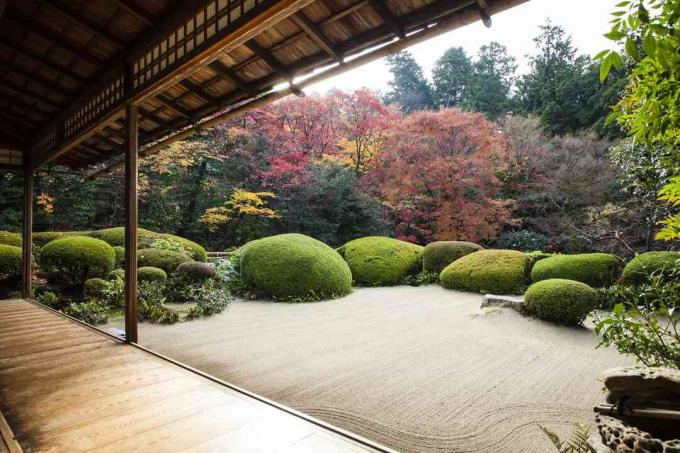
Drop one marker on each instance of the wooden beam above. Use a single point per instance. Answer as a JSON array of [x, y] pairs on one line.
[[229, 74], [82, 22], [199, 91], [484, 13], [29, 24], [270, 59], [143, 16], [26, 91], [26, 246], [131, 150], [380, 7], [155, 118], [172, 105], [40, 59], [36, 78], [315, 34]]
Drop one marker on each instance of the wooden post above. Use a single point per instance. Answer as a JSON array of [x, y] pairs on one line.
[[26, 262], [131, 151]]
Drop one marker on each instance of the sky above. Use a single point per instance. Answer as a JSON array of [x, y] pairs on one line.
[[585, 20]]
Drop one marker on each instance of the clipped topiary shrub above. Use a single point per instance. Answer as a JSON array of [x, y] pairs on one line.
[[196, 271], [72, 260], [120, 255], [561, 301], [117, 273], [638, 270], [595, 269], [10, 261], [488, 271], [381, 261], [44, 237], [151, 274], [94, 287], [167, 260], [438, 255], [294, 267], [194, 250], [13, 239], [116, 236]]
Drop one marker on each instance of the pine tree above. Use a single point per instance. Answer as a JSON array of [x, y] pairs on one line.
[[408, 87], [450, 77]]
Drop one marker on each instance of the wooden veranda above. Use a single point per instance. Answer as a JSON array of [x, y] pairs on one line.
[[96, 84]]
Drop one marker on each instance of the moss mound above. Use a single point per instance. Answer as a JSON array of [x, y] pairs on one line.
[[381, 261], [561, 301], [167, 260], [595, 269], [10, 260], [196, 271], [438, 255], [72, 260], [488, 271], [120, 255], [638, 270], [294, 267], [94, 287], [116, 236], [151, 274], [45, 237], [13, 239]]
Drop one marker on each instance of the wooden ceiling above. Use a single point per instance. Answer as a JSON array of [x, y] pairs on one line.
[[67, 67]]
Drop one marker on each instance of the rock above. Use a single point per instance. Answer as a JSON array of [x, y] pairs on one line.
[[652, 387], [622, 438], [507, 301]]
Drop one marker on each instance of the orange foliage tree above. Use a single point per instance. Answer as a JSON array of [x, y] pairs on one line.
[[437, 171]]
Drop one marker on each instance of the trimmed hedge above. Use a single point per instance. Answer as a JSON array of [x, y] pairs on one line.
[[72, 260], [167, 260], [116, 236], [381, 261], [561, 301], [10, 260], [594, 269], [638, 270], [94, 287], [151, 274], [117, 273], [13, 239], [438, 255], [44, 237], [194, 250], [488, 271], [294, 267], [196, 271], [120, 255]]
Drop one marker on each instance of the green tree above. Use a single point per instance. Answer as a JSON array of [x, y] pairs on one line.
[[450, 77], [408, 87], [491, 81], [561, 88], [650, 33]]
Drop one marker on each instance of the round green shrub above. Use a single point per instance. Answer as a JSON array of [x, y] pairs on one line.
[[488, 271], [561, 301], [151, 274], [94, 287], [196, 271], [438, 255], [117, 273], [72, 260], [194, 250], [10, 260], [638, 270], [167, 260], [116, 236], [13, 239], [120, 255], [44, 237], [294, 267], [595, 269], [381, 261]]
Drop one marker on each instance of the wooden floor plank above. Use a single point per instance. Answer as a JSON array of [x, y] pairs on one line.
[[67, 388]]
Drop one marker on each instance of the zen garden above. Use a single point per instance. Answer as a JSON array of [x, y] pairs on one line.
[[448, 264]]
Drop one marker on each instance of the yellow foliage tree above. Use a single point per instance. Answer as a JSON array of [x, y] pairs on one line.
[[241, 204]]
